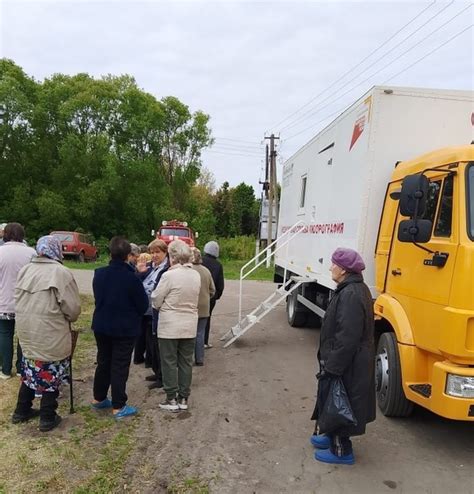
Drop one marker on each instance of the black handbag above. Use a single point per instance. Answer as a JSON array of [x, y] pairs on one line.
[[336, 411]]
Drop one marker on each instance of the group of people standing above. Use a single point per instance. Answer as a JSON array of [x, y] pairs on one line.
[[162, 303]]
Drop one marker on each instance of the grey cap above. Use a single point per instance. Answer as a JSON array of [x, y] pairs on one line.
[[135, 250], [2, 226], [212, 248]]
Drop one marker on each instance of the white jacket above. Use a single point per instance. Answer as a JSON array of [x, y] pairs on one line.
[[176, 297]]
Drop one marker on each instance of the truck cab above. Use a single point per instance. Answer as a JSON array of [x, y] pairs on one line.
[[176, 230], [424, 263]]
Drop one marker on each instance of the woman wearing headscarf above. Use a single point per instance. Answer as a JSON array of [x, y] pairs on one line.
[[346, 350], [47, 302]]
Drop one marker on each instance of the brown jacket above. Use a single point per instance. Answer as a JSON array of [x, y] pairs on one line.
[[208, 289], [47, 301]]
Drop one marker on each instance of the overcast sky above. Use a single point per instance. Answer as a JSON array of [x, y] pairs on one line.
[[249, 65]]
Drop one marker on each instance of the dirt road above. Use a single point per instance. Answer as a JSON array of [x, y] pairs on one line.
[[248, 426]]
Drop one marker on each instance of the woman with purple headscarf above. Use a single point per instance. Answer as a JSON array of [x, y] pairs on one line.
[[47, 301], [346, 350]]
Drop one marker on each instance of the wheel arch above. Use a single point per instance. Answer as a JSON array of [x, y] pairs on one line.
[[392, 317]]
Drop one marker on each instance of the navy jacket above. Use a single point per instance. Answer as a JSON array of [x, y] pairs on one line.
[[120, 300]]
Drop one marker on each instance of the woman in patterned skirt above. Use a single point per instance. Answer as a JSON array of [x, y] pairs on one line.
[[46, 301]]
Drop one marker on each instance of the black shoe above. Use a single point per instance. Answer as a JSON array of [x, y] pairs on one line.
[[148, 365], [155, 385], [18, 418], [199, 364], [151, 378], [49, 425]]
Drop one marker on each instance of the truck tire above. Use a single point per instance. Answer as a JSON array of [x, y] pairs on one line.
[[295, 312], [388, 379], [81, 257]]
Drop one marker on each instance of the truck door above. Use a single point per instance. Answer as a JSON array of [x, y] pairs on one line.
[[424, 290]]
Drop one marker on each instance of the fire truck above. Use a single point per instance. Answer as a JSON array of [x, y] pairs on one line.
[[176, 230]]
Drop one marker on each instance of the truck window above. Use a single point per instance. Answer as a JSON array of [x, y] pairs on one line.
[[470, 198], [432, 200], [304, 179], [445, 215]]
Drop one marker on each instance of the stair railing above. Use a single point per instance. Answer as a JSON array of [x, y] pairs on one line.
[[289, 235]]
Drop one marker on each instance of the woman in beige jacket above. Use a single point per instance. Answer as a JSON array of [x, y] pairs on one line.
[[176, 297], [46, 302]]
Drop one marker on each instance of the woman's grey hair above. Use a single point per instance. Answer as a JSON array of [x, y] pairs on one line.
[[179, 252], [197, 258], [135, 249]]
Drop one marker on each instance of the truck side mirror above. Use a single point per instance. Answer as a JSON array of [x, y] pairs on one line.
[[196, 235], [413, 195], [418, 231], [152, 233]]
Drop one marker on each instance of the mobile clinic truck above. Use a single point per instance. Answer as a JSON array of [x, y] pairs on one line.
[[360, 184]]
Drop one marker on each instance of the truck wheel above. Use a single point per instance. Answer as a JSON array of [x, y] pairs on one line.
[[81, 257], [295, 312], [388, 379]]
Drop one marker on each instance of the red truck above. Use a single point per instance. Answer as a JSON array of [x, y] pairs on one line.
[[176, 230]]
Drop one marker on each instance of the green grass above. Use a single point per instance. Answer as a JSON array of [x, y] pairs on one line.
[[231, 268]]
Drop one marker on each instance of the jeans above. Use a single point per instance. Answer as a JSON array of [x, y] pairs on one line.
[[113, 363], [48, 403], [208, 324], [201, 331], [177, 365], [340, 445], [7, 330]]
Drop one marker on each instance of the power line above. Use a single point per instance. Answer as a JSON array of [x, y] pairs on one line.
[[238, 146], [405, 69], [358, 64], [312, 111], [237, 150], [233, 154], [238, 140]]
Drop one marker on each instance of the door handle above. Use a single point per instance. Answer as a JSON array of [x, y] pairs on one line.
[[396, 272]]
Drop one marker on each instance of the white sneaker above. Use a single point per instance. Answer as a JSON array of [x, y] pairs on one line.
[[208, 346], [170, 405], [183, 403], [4, 376]]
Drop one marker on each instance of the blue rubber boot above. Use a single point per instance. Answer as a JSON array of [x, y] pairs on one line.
[[320, 441], [102, 404], [325, 456], [126, 411]]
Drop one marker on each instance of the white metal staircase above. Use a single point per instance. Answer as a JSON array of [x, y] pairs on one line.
[[288, 286]]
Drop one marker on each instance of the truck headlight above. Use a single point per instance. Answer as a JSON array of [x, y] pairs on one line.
[[461, 386]]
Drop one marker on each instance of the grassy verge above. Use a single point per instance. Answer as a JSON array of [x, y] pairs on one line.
[[86, 454], [231, 268]]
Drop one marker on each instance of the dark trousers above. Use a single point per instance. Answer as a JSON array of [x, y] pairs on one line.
[[177, 365], [340, 445], [143, 343], [208, 325], [7, 330], [113, 364], [48, 404], [155, 358]]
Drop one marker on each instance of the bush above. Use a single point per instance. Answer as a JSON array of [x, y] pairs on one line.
[[242, 248]]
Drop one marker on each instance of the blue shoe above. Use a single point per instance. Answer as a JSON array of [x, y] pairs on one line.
[[102, 404], [325, 456], [320, 441], [126, 411]]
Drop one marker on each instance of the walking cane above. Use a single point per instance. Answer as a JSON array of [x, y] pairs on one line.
[[74, 336]]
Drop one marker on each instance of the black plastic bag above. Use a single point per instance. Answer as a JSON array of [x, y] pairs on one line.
[[336, 411]]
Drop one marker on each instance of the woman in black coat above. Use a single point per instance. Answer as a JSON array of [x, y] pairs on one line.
[[347, 350]]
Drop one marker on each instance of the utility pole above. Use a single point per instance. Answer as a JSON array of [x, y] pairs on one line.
[[271, 193]]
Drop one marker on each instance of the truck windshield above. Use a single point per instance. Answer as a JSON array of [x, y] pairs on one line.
[[470, 195], [177, 232]]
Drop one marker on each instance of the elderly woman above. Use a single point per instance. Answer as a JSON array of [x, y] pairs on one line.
[[208, 289], [347, 350], [120, 302], [176, 297], [47, 301], [151, 276]]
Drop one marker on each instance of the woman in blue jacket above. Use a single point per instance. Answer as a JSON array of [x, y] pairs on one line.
[[120, 302]]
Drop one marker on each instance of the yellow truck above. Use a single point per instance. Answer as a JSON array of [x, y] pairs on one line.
[[357, 184]]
